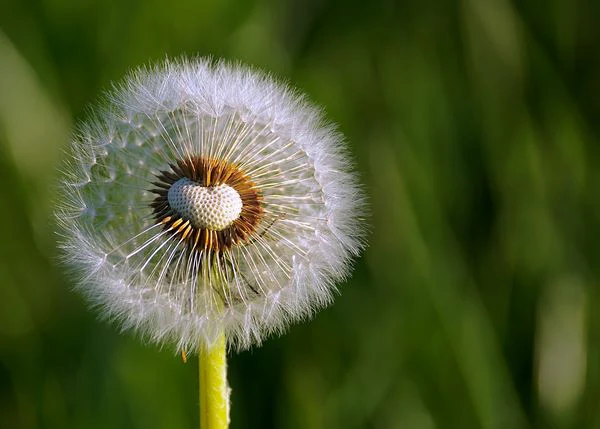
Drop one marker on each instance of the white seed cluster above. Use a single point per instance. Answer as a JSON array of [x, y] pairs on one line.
[[212, 207], [312, 207]]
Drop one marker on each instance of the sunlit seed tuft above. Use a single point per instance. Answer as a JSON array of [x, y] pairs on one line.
[[209, 199]]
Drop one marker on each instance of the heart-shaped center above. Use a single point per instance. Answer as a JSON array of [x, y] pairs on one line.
[[206, 207]]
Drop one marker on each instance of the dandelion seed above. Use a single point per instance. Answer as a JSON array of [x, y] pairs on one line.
[[207, 199]]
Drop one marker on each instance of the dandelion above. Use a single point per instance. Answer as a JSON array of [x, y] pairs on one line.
[[207, 204]]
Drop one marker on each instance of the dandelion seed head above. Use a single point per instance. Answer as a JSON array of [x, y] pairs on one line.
[[207, 198]]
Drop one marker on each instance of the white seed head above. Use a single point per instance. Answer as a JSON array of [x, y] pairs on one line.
[[205, 199], [209, 207]]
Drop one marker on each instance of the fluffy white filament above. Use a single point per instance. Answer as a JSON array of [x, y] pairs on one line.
[[141, 275]]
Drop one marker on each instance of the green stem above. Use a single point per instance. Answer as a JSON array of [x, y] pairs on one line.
[[214, 392]]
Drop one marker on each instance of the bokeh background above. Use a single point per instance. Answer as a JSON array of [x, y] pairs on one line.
[[475, 127]]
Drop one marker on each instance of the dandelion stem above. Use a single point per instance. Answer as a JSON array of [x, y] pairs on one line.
[[214, 392]]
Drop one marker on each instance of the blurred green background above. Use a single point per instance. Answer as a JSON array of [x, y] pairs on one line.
[[475, 127]]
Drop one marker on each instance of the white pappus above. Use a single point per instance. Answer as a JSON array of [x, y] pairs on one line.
[[206, 198]]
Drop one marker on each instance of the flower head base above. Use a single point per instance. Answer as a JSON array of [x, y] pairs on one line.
[[208, 199], [207, 207]]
